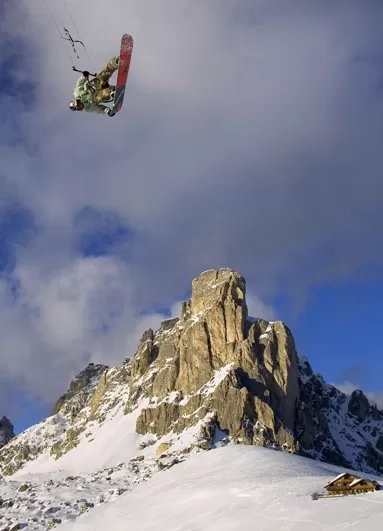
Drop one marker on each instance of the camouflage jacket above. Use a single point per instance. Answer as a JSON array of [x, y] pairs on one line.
[[84, 91]]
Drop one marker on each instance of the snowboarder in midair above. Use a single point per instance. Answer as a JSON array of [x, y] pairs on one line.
[[90, 94]]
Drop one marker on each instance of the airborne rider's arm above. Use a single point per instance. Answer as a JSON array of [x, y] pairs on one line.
[[84, 81], [80, 82], [79, 88]]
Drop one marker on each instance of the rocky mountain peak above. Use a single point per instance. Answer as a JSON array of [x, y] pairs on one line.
[[218, 287], [220, 372], [336, 428], [359, 406], [82, 385], [6, 431], [215, 363], [211, 376]]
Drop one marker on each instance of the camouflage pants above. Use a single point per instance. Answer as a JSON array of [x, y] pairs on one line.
[[101, 82]]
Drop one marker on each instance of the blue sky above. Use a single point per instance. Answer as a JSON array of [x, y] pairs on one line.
[[263, 155], [337, 331]]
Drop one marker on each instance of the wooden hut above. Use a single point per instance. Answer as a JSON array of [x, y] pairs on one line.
[[360, 485], [347, 483]]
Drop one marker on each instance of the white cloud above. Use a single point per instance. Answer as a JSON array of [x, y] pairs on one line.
[[74, 302], [237, 146], [348, 388], [58, 322], [257, 308]]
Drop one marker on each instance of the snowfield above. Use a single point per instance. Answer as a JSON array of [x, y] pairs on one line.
[[223, 489], [237, 487], [115, 479]]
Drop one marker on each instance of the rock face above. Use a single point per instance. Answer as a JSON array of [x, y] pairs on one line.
[[214, 362], [213, 376], [333, 427], [79, 390], [217, 368], [359, 406], [6, 431]]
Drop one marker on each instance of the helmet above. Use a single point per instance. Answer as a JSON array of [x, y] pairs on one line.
[[72, 106]]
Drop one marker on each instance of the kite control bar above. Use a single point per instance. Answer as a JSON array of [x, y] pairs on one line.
[[81, 71]]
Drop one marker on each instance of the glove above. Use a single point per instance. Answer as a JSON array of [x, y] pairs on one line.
[[85, 73], [108, 111]]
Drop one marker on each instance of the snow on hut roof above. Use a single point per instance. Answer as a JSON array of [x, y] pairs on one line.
[[339, 476]]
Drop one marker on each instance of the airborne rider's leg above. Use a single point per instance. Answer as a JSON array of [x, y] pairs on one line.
[[102, 79], [103, 95]]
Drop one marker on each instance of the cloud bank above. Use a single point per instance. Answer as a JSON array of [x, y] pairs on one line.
[[250, 138], [348, 388]]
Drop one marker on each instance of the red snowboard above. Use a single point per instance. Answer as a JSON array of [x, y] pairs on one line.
[[123, 70]]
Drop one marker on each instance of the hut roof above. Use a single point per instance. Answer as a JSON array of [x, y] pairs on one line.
[[357, 481], [340, 476]]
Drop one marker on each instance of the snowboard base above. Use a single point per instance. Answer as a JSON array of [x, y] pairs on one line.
[[126, 50]]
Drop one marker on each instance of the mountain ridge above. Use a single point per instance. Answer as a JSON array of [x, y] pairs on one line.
[[211, 377]]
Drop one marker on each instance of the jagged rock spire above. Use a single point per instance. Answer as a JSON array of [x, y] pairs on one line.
[[244, 374], [91, 373], [213, 371], [6, 431]]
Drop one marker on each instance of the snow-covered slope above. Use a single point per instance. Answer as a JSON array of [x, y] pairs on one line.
[[101, 435], [89, 414], [209, 379], [109, 460], [231, 488]]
